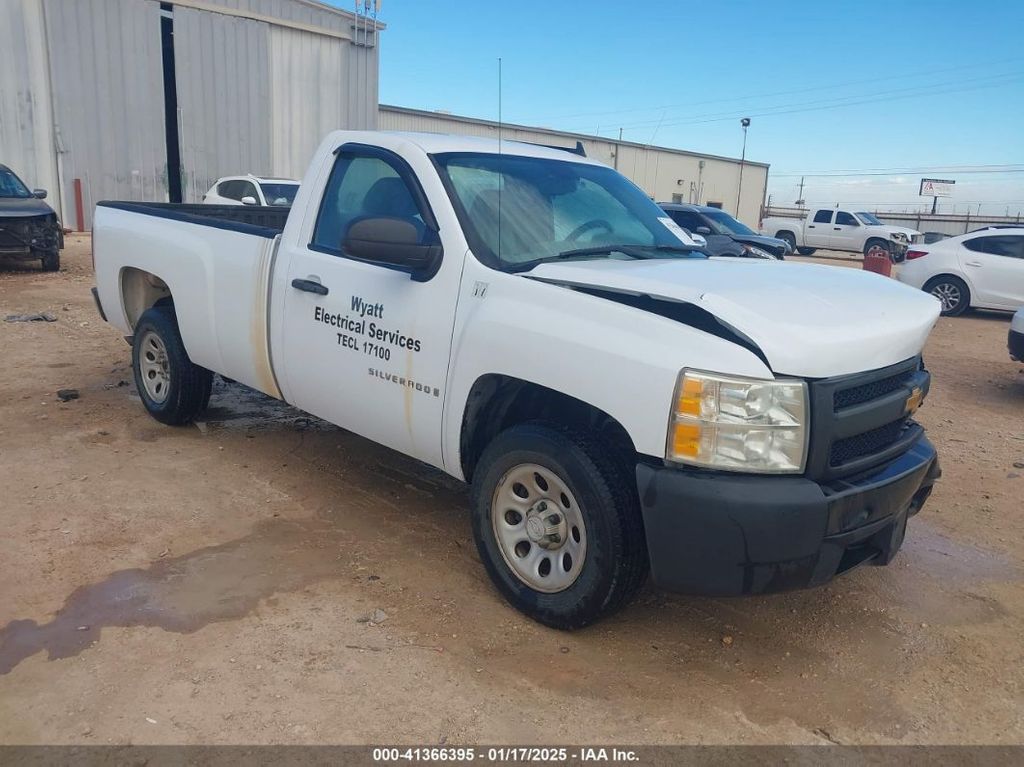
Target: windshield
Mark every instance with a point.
(867, 218)
(520, 211)
(723, 223)
(11, 186)
(279, 194)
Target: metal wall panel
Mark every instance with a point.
(26, 144)
(333, 19)
(222, 68)
(107, 86)
(318, 84)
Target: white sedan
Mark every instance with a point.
(252, 190)
(983, 269)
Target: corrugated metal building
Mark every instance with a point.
(251, 86)
(666, 174)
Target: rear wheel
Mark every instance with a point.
(557, 524)
(806, 251)
(51, 261)
(952, 292)
(877, 243)
(788, 238)
(173, 389)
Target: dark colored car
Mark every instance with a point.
(725, 235)
(29, 228)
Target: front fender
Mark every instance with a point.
(619, 359)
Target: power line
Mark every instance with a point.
(844, 101)
(892, 173)
(980, 168)
(830, 86)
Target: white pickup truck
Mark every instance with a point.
(837, 229)
(529, 322)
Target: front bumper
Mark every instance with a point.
(1015, 343)
(29, 237)
(722, 534)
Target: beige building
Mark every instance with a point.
(665, 174)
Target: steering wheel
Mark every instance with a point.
(597, 223)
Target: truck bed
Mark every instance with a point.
(265, 221)
(215, 262)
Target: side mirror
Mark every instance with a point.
(39, 194)
(704, 230)
(248, 200)
(395, 242)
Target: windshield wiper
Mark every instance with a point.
(633, 251)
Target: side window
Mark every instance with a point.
(842, 217)
(248, 189)
(1011, 246)
(361, 187)
(823, 217)
(686, 219)
(229, 189)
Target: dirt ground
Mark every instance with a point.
(212, 583)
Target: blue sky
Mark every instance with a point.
(830, 86)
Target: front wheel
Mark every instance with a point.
(952, 292)
(173, 388)
(51, 261)
(557, 524)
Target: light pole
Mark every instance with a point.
(745, 122)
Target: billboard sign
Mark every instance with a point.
(936, 187)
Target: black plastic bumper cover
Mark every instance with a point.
(723, 534)
(1015, 343)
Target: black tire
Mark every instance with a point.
(51, 261)
(615, 564)
(883, 244)
(952, 292)
(788, 237)
(806, 251)
(187, 386)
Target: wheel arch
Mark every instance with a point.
(946, 273)
(497, 402)
(141, 290)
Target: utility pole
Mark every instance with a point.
(618, 148)
(745, 122)
(800, 195)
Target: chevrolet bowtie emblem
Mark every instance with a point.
(914, 401)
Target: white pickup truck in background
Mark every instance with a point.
(837, 229)
(529, 322)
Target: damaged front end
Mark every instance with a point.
(29, 236)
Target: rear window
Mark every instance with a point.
(823, 217)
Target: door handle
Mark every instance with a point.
(837, 228)
(810, 226)
(974, 263)
(310, 286)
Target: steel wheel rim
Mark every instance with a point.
(948, 294)
(154, 366)
(539, 528)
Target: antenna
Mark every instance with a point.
(500, 176)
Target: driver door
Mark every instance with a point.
(365, 346)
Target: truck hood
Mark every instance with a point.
(762, 241)
(808, 320)
(894, 230)
(18, 207)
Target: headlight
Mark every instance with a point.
(739, 424)
(757, 252)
